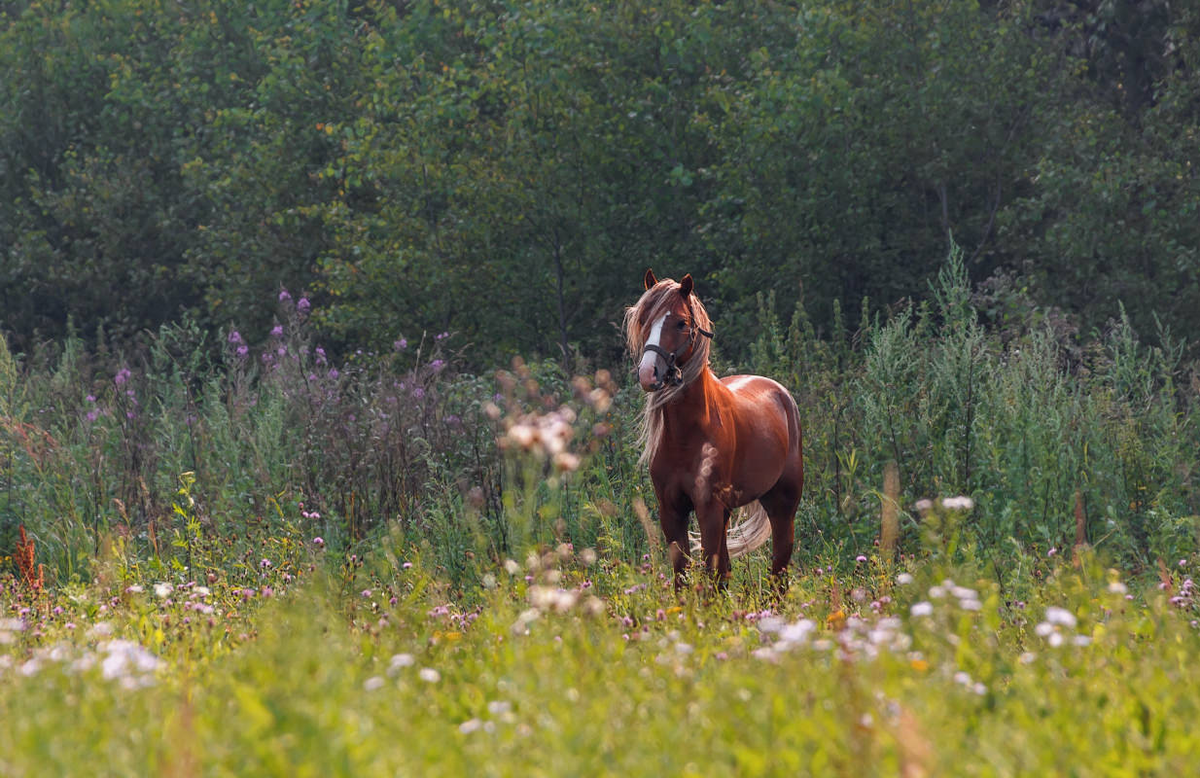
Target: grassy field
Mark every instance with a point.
(263, 559)
(293, 661)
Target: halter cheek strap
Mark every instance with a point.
(674, 374)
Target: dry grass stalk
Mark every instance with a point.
(916, 752)
(643, 514)
(34, 575)
(889, 521)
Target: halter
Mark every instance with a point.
(673, 375)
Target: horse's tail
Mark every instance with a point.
(749, 529)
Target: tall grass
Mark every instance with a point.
(1019, 413)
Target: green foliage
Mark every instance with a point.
(508, 171)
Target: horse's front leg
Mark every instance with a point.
(713, 518)
(673, 518)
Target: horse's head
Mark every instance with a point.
(668, 331)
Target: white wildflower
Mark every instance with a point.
(922, 608)
(1060, 616)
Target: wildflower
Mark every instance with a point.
(333, 373)
(437, 364)
(265, 564)
(922, 608)
(469, 726)
(302, 305)
(318, 541)
(511, 566)
(904, 579)
(441, 336)
(122, 376)
(373, 683)
(1060, 616)
(277, 331)
(406, 566)
(92, 415)
(284, 296)
(429, 675)
(320, 352)
(163, 590)
(91, 398)
(235, 337)
(860, 558)
(1116, 587)
(366, 593)
(398, 661)
(243, 351)
(923, 505)
(1052, 551)
(401, 344)
(134, 589)
(962, 503)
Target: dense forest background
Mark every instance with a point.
(508, 170)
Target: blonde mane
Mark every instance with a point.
(653, 303)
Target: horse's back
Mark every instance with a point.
(765, 411)
(762, 394)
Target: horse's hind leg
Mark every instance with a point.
(780, 504)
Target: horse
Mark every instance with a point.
(713, 445)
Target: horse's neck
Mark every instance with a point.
(695, 405)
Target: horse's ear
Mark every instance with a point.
(649, 279)
(685, 286)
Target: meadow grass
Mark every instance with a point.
(566, 663)
(225, 559)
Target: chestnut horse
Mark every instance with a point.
(714, 444)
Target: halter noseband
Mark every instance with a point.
(673, 375)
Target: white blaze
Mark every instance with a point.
(650, 358)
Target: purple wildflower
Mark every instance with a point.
(91, 398)
(333, 373)
(401, 344)
(318, 541)
(277, 331)
(235, 337)
(436, 365)
(122, 376)
(418, 392)
(441, 336)
(320, 352)
(242, 351)
(93, 414)
(302, 305)
(284, 296)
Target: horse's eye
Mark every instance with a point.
(681, 324)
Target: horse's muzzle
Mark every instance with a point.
(650, 372)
